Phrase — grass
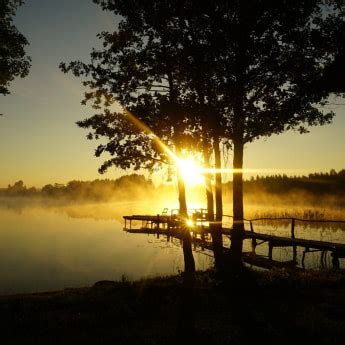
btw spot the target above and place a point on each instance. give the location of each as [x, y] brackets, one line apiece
[302, 212]
[275, 306]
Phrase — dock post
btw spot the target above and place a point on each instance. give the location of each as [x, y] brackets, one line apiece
[254, 243]
[270, 250]
[294, 255]
[335, 261]
[306, 250]
[322, 260]
[325, 258]
[293, 228]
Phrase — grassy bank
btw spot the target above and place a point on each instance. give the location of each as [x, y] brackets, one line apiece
[275, 306]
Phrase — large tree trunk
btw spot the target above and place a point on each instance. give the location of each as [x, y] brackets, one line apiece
[209, 193]
[182, 196]
[219, 191]
[189, 264]
[238, 225]
[208, 183]
[238, 142]
[216, 235]
[217, 227]
[186, 323]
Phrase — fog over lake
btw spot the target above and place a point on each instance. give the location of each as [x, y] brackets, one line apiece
[50, 245]
[51, 248]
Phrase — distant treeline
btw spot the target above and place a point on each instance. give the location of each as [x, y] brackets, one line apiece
[332, 183]
[89, 190]
[318, 183]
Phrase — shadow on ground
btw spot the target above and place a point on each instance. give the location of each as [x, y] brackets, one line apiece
[269, 307]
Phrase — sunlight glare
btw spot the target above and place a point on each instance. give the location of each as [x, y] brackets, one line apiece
[190, 222]
[191, 172]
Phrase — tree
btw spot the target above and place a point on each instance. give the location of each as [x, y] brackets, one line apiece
[261, 62]
[13, 60]
[269, 57]
[333, 79]
[154, 73]
[127, 71]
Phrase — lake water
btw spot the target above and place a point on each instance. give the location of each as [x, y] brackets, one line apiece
[51, 248]
[47, 246]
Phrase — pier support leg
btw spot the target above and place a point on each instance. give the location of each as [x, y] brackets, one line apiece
[335, 261]
[254, 245]
[270, 250]
[294, 253]
[322, 259]
[303, 256]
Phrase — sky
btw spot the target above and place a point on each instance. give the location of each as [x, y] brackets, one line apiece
[40, 142]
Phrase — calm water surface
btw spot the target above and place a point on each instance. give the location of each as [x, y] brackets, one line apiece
[50, 246]
[328, 232]
[45, 249]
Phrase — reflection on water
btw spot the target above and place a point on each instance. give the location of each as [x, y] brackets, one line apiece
[320, 231]
[42, 249]
[49, 245]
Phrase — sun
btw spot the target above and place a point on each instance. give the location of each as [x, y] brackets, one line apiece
[191, 171]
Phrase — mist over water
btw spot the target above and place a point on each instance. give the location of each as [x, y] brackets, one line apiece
[58, 246]
[51, 244]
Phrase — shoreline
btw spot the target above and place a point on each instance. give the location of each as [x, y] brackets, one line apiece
[299, 277]
[275, 306]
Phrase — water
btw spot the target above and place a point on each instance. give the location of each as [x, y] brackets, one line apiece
[52, 248]
[51, 245]
[328, 232]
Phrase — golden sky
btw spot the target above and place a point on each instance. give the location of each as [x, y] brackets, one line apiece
[40, 142]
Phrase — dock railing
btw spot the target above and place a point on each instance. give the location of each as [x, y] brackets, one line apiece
[171, 223]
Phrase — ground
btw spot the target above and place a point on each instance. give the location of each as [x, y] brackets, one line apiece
[276, 306]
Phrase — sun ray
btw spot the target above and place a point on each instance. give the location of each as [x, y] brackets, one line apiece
[191, 172]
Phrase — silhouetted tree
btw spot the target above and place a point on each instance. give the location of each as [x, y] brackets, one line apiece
[137, 67]
[333, 78]
[269, 56]
[13, 60]
[252, 67]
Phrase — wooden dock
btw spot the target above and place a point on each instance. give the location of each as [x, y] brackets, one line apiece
[169, 225]
[149, 221]
[172, 221]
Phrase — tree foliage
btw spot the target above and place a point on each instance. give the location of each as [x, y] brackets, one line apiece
[240, 70]
[13, 60]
